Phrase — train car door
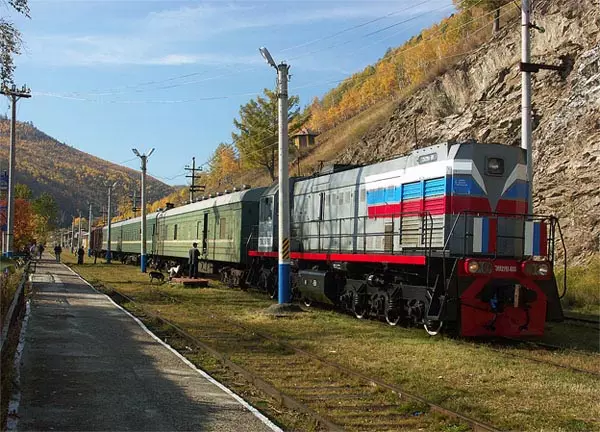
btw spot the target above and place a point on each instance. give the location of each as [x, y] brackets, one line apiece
[205, 235]
[389, 237]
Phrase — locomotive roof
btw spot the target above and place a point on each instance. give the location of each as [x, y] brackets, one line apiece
[230, 198]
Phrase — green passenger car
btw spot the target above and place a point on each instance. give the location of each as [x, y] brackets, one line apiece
[221, 226]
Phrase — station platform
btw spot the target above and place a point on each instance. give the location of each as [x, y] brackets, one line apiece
[88, 365]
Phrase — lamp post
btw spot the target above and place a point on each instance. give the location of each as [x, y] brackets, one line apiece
[89, 245]
[144, 159]
[109, 217]
[79, 232]
[284, 296]
[526, 134]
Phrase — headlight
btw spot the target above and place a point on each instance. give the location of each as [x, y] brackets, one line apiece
[536, 268]
[479, 267]
[495, 166]
[473, 266]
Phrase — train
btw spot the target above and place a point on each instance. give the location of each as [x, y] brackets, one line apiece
[440, 237]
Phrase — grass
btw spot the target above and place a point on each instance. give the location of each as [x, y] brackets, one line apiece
[9, 282]
[511, 393]
[583, 287]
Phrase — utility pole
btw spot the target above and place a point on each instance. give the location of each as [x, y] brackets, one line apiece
[526, 132]
[14, 95]
[144, 159]
[72, 232]
[134, 204]
[194, 187]
[90, 232]
[79, 232]
[527, 68]
[284, 296]
[109, 217]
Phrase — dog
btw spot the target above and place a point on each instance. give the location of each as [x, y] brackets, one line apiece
[157, 275]
[174, 271]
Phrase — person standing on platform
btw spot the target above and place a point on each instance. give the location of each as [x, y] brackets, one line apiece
[57, 252]
[41, 250]
[194, 256]
[80, 254]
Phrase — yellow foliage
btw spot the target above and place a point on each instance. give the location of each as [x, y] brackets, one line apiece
[399, 70]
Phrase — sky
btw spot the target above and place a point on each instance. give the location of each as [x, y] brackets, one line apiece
[108, 76]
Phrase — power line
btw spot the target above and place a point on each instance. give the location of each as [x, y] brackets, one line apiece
[78, 95]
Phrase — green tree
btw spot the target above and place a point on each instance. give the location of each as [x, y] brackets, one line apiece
[46, 211]
[10, 40]
[22, 191]
[488, 5]
[256, 137]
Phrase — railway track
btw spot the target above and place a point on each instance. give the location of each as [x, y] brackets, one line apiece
[336, 397]
[583, 321]
[514, 343]
[532, 344]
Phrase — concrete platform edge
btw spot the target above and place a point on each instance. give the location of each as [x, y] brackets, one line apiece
[227, 390]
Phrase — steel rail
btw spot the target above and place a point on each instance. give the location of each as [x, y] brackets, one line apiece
[475, 424]
[587, 319]
[542, 361]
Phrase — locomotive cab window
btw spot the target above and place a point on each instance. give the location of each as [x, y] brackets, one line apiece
[267, 209]
[494, 166]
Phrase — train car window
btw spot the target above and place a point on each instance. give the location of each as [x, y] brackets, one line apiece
[494, 166]
[363, 194]
[175, 232]
[347, 197]
[223, 228]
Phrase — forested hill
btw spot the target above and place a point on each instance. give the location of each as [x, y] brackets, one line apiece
[74, 178]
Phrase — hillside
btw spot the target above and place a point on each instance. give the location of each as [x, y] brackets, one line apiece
[73, 177]
[480, 98]
[477, 94]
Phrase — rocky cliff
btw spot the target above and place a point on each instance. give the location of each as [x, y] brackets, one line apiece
[480, 98]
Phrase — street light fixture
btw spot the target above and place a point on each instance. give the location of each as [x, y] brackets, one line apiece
[144, 159]
[267, 56]
[284, 296]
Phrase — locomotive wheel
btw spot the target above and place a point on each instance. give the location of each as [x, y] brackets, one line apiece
[433, 327]
[360, 309]
[392, 316]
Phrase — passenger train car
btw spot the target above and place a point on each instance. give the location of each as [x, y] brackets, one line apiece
[440, 237]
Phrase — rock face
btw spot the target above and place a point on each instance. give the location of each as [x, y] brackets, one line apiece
[481, 98]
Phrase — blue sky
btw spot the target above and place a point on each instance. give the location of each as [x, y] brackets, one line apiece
[107, 76]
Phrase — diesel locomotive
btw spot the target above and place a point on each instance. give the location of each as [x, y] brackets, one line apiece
[440, 237]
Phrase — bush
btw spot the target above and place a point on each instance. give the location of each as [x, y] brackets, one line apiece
[583, 287]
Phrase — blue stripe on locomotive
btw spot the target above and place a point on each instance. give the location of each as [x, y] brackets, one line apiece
[518, 191]
[408, 191]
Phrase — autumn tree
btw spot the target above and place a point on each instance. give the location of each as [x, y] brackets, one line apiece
[23, 225]
[10, 40]
[223, 164]
[256, 137]
[488, 5]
